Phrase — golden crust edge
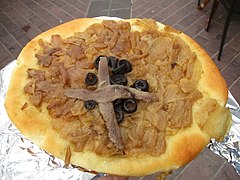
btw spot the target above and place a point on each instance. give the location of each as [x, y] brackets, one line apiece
[212, 84]
[129, 167]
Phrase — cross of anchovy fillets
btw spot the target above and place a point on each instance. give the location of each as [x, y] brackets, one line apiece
[105, 94]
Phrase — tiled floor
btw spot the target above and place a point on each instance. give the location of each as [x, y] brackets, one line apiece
[21, 20]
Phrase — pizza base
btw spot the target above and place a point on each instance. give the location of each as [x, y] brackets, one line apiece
[180, 149]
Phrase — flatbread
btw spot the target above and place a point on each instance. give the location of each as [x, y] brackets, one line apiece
[181, 147]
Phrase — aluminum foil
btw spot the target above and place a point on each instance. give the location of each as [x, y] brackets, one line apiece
[22, 159]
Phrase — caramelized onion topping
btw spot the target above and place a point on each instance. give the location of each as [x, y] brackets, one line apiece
[163, 59]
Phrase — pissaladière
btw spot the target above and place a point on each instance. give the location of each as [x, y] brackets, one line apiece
[183, 108]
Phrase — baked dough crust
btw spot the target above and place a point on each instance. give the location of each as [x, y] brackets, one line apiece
[181, 148]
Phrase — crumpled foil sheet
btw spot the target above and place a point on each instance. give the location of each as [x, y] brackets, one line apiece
[22, 159]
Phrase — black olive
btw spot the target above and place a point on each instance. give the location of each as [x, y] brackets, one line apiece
[118, 79]
[123, 66]
[119, 114]
[91, 79]
[113, 62]
[118, 102]
[96, 62]
[173, 65]
[130, 105]
[141, 85]
[90, 104]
